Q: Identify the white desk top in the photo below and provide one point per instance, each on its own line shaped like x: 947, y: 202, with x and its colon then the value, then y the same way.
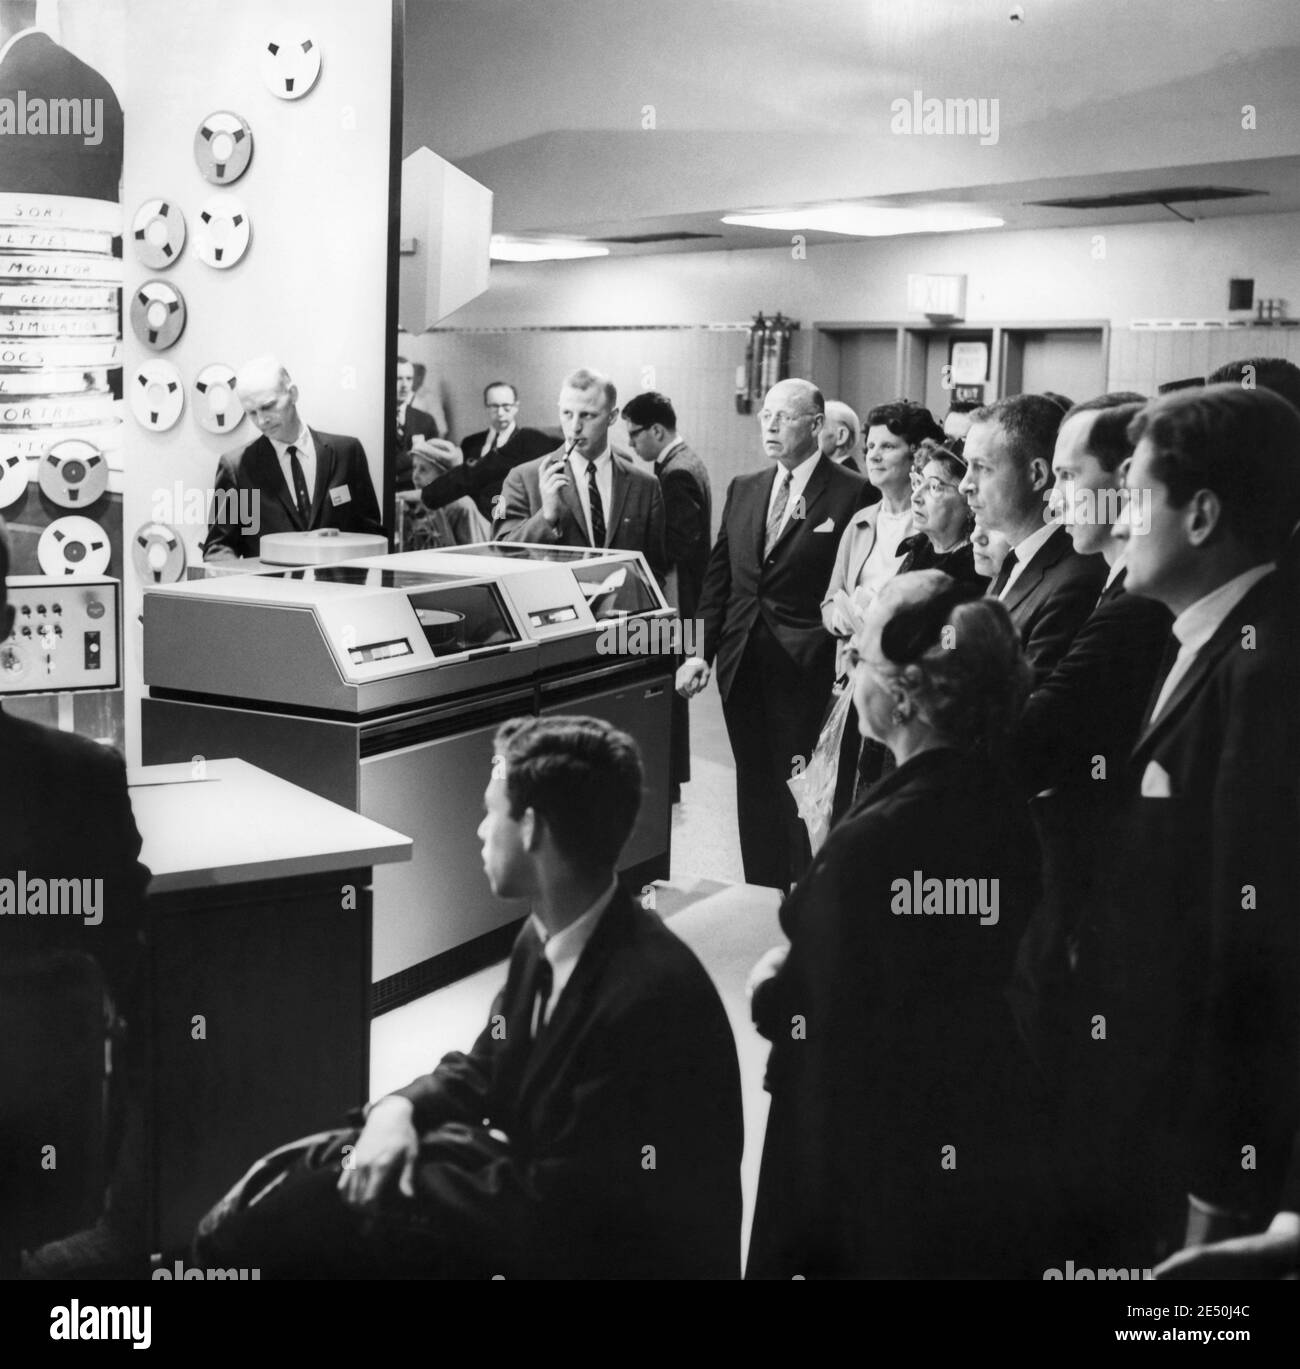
x: 236, y: 823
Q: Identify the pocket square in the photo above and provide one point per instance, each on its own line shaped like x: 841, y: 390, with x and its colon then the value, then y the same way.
x: 1155, y: 782
x: 827, y: 526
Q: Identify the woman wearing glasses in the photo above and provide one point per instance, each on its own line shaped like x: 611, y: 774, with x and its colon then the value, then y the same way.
x: 942, y: 518
x: 898, y: 1142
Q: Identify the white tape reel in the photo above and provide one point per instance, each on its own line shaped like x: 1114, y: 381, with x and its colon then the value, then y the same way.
x: 73, y: 474
x: 15, y: 474
x: 158, y: 314
x: 290, y: 64
x: 222, y: 232
x: 158, y: 233
x: 223, y: 147
x: 156, y: 396
x: 158, y: 553
x: 73, y: 546
x: 216, y: 405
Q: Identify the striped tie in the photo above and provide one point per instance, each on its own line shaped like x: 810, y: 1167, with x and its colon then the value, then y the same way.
x: 777, y: 516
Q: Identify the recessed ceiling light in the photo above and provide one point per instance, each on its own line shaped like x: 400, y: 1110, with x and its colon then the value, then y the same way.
x: 537, y: 249
x: 865, y: 221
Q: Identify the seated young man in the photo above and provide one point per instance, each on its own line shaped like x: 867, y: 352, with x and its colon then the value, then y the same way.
x: 594, y: 1130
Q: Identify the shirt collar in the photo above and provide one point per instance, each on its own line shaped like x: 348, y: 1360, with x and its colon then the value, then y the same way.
x: 1196, y: 624
x: 668, y: 451
x: 801, y: 474
x: 303, y: 441
x: 22, y: 33
x: 500, y: 439
x: 1029, y: 547
x: 601, y: 461
x: 564, y: 947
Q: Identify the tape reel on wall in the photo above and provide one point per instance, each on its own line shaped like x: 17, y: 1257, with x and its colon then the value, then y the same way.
x: 73, y: 473
x: 73, y: 545
x: 223, y: 147
x: 158, y: 553
x: 222, y: 232
x: 158, y: 314
x: 216, y: 405
x: 158, y: 233
x: 156, y: 396
x: 290, y: 64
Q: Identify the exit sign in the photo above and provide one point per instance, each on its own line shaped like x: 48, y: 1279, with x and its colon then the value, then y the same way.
x: 938, y: 296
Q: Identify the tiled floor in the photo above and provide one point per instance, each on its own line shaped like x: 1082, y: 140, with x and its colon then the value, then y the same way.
x: 729, y: 933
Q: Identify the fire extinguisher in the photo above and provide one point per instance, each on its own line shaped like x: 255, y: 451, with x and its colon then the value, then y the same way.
x: 749, y: 375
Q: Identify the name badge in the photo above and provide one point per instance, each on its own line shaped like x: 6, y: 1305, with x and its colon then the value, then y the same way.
x: 340, y: 494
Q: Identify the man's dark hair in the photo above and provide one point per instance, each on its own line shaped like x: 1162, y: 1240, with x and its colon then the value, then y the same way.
x: 650, y: 408
x: 1064, y: 401
x: 404, y: 361
x: 493, y: 384
x: 962, y: 406
x: 421, y: 370
x: 906, y: 419
x: 581, y: 776
x: 1244, y: 445
x: 1108, y: 436
x: 1030, y: 423
x: 1271, y: 373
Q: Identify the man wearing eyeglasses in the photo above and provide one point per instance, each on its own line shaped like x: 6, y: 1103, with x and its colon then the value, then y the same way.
x: 763, y: 630
x: 489, y: 456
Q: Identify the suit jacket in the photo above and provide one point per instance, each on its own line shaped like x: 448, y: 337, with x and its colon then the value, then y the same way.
x: 1195, y: 954
x: 906, y: 1043
x: 480, y: 477
x: 688, y: 523
x: 65, y: 814
x: 634, y: 520
x: 61, y: 164
x: 1052, y: 598
x: 340, y: 464
x: 917, y: 553
x: 637, y: 1053
x: 418, y: 424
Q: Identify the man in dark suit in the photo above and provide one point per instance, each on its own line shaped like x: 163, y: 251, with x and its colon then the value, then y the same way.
x: 291, y: 479
x: 413, y: 425
x: 586, y: 493
x: 688, y: 527
x: 595, y: 1128
x: 1048, y: 588
x: 65, y: 816
x: 1080, y: 724
x: 489, y: 456
x: 80, y: 156
x: 761, y: 608
x: 1192, y: 960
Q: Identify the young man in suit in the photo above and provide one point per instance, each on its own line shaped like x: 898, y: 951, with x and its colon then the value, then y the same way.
x: 595, y: 1128
x: 688, y: 528
x: 1047, y: 586
x: 65, y: 815
x: 1192, y: 960
x: 1079, y: 726
x: 491, y: 455
x: 586, y: 493
x: 291, y: 479
x: 761, y: 607
x: 413, y: 424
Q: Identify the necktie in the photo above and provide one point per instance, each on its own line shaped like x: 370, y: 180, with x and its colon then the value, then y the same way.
x: 542, y: 994
x: 1182, y: 664
x: 1003, y: 575
x: 777, y: 516
x: 301, y: 497
x: 597, y: 508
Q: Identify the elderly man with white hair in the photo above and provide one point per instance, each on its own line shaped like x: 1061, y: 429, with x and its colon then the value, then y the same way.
x: 840, y: 436
x: 292, y: 478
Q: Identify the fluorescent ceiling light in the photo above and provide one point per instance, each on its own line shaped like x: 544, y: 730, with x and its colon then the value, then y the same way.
x: 524, y: 249
x: 866, y: 221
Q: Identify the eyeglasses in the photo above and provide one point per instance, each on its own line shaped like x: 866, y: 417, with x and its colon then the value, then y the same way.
x: 783, y: 419
x: 511, y: 405
x: 935, y: 486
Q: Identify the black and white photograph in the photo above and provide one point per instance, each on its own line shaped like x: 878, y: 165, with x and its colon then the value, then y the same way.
x: 649, y: 640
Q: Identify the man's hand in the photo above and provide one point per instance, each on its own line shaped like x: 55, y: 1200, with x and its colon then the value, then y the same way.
x: 552, y: 477
x: 692, y: 676
x: 388, y: 1146
x: 432, y: 457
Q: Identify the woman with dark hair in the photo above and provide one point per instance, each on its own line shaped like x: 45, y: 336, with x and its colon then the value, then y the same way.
x: 942, y: 518
x: 899, y: 1139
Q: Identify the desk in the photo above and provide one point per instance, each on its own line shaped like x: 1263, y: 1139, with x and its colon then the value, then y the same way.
x: 260, y: 971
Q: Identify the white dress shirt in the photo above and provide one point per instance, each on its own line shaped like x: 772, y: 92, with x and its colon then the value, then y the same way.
x: 1026, y: 549
x: 495, y: 440
x: 668, y: 450
x: 565, y: 948
x: 1196, y: 624
x: 306, y: 459
x: 604, y: 483
x: 799, y: 479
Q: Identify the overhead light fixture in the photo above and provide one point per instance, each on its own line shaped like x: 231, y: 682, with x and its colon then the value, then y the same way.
x: 542, y: 249
x: 865, y: 221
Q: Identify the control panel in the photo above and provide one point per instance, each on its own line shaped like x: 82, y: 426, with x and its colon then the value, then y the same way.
x: 66, y: 635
